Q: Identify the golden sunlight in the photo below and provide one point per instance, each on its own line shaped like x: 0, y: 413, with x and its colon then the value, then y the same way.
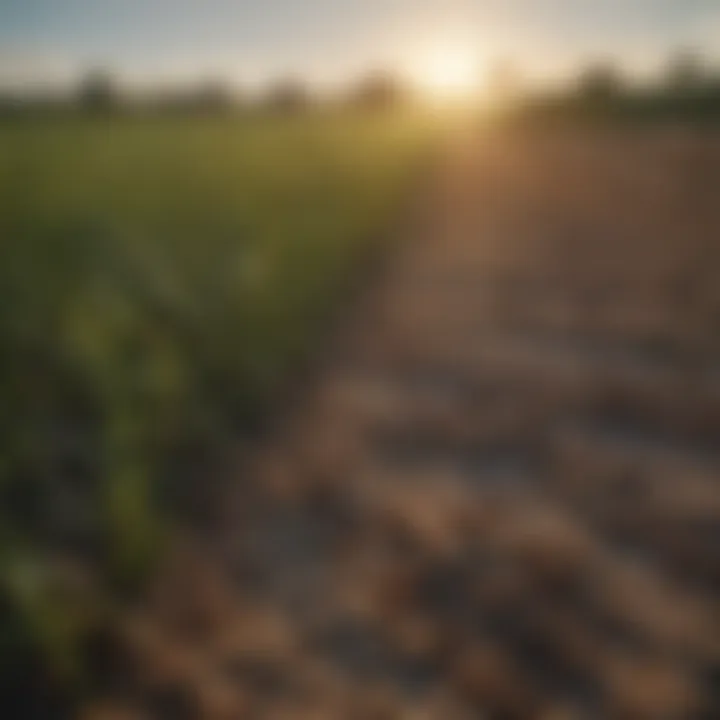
x: 449, y: 73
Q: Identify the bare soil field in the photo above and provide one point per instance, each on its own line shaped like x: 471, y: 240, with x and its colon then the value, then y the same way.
x: 500, y: 497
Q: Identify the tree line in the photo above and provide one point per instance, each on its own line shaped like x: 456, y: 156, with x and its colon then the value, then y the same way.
x: 688, y: 86
x: 99, y: 92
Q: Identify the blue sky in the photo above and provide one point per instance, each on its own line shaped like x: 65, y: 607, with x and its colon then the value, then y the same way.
x: 329, y: 40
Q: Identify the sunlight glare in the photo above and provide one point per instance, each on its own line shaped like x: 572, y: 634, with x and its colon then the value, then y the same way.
x: 449, y: 73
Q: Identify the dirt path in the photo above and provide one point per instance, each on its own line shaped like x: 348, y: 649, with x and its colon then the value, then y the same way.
x: 502, y: 497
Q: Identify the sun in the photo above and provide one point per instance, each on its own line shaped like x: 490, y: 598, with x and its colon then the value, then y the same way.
x: 449, y: 73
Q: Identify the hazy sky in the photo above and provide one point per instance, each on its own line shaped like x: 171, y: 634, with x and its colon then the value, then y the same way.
x: 327, y: 40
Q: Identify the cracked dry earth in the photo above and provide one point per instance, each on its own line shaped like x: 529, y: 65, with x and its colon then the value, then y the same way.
x: 501, y: 496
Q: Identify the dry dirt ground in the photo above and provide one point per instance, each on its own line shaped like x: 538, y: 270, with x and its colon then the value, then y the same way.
x: 501, y: 496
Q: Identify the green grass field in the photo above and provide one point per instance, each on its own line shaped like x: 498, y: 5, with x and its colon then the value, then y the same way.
x: 160, y: 279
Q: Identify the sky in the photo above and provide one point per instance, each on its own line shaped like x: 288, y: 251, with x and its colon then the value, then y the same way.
x: 329, y: 41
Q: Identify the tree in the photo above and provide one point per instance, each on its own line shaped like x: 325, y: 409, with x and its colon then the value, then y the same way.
x: 378, y: 90
x: 97, y: 92
x: 600, y: 83
x: 287, y: 96
x: 686, y: 73
x: 212, y: 96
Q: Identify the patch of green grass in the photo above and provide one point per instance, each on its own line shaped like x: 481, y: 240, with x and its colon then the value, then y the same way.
x: 159, y: 278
